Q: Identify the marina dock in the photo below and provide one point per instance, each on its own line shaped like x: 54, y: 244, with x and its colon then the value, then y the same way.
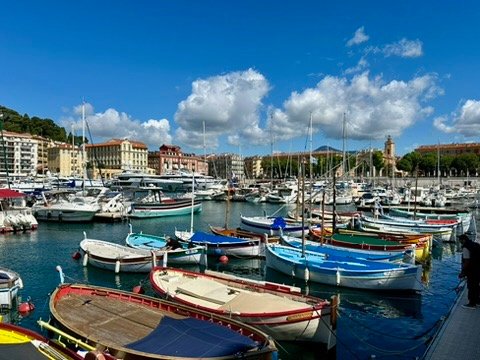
x: 458, y: 337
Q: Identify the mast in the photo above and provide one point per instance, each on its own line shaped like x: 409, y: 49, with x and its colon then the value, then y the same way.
x: 204, y: 147
x: 84, y: 155
x: 438, y: 162
x: 343, y: 147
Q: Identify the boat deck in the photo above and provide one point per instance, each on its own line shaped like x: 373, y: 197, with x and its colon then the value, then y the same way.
x: 101, y: 319
x: 458, y: 337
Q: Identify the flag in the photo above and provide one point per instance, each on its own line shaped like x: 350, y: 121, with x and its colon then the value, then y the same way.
x: 313, y: 160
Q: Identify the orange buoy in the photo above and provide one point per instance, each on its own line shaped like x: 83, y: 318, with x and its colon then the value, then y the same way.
x: 223, y: 259
x: 76, y: 255
x: 138, y: 289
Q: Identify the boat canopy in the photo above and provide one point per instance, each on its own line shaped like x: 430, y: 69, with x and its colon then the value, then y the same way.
x: 193, y: 338
x: 10, y: 194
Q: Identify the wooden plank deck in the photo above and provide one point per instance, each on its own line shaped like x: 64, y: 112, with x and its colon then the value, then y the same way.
x: 100, y: 319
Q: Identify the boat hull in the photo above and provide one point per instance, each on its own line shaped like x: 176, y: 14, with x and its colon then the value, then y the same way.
x: 64, y: 215
x: 143, y: 211
x: 10, y: 284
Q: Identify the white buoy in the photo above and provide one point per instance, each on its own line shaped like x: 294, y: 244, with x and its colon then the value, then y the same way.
x: 85, y: 259
x: 60, y: 271
x: 165, y: 259
x: 338, y: 277
x: 154, y: 259
x: 117, y: 266
x: 306, y: 274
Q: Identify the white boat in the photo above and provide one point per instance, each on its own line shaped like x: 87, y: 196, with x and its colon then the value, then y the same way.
x: 116, y: 257
x: 279, y: 310
x: 135, y: 180
x: 10, y: 284
x: 155, y: 204
x: 65, y: 206
x: 15, y: 215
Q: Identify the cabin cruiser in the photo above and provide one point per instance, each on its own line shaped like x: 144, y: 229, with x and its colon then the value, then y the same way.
x: 135, y: 180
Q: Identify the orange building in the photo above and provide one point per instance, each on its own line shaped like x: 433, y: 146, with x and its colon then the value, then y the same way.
x: 170, y: 158
x: 451, y: 149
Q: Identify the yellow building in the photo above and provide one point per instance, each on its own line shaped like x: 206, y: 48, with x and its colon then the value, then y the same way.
x: 65, y: 160
x: 115, y: 156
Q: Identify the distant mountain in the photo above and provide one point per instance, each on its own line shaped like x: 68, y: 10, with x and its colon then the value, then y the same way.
x: 326, y: 148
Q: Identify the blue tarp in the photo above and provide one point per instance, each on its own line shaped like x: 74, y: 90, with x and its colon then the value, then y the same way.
x: 192, y: 338
x: 201, y: 237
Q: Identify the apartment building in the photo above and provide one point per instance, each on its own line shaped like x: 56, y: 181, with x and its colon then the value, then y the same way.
x: 18, y: 156
x: 170, y: 159
x: 253, y: 167
x: 65, y: 160
x: 227, y: 166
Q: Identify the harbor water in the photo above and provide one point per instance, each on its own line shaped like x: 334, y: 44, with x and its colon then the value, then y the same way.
x: 370, y: 324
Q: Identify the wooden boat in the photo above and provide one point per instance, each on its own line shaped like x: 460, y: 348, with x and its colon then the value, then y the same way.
x: 333, y: 252
x: 20, y: 343
x: 226, y: 245
x: 176, y: 252
x: 279, y: 310
x: 441, y: 232
x: 422, y: 249
x: 155, y: 204
x: 116, y: 257
x: 133, y: 326
x: 464, y: 217
x: 346, y: 272
x: 272, y: 226
x: 10, y: 284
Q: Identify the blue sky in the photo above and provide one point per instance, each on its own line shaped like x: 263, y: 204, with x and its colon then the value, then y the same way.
x: 252, y: 71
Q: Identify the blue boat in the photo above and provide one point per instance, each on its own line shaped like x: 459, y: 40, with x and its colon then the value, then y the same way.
x: 343, y: 271
x: 172, y: 250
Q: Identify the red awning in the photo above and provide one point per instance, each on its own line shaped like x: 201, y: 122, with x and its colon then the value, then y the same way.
x: 9, y: 194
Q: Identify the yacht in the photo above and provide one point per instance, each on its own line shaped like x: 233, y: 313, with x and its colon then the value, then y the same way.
x: 135, y: 180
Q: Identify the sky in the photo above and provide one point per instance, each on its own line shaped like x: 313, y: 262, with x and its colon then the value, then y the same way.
x: 251, y: 77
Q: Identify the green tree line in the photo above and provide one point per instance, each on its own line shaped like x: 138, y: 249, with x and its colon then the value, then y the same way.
x: 10, y: 120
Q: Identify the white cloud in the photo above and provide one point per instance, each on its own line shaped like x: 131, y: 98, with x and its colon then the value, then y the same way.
x: 229, y: 105
x: 361, y: 66
x: 373, y: 107
x: 404, y: 48
x: 358, y: 38
x: 466, y: 121
x: 113, y: 124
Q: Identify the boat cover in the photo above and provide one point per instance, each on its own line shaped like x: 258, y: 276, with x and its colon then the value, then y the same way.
x: 192, y: 338
x: 201, y: 237
x: 20, y: 351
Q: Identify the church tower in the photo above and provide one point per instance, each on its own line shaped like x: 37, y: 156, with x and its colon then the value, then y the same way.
x: 389, y: 154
